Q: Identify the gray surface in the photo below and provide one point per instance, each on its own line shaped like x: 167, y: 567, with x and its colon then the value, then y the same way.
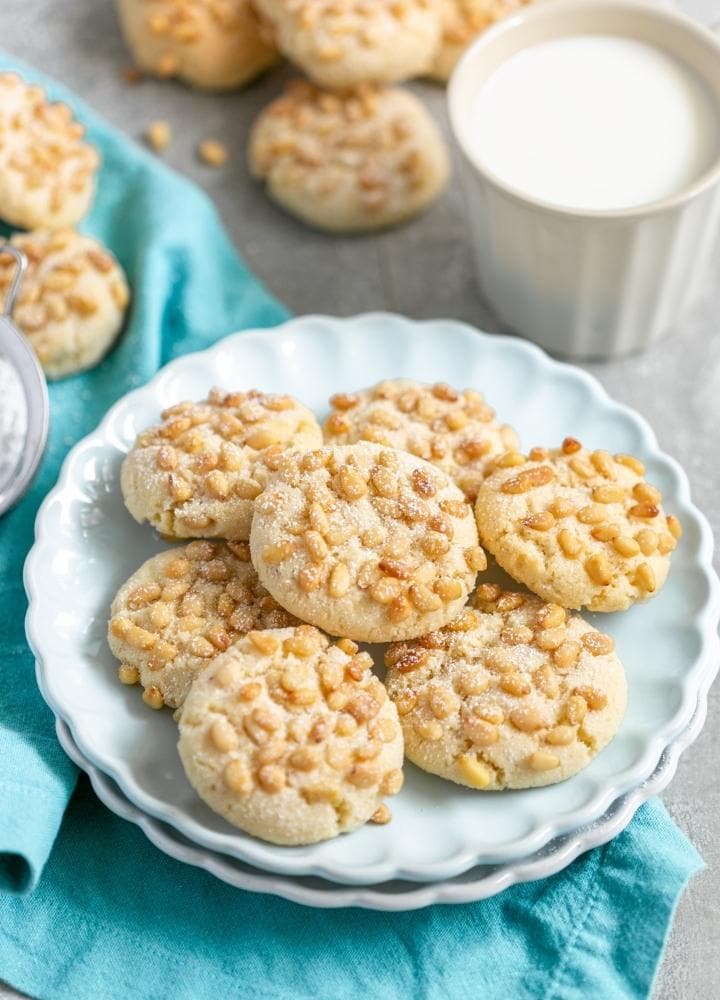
x: 423, y: 270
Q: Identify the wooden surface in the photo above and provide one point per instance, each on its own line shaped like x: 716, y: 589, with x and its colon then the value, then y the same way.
x: 423, y: 270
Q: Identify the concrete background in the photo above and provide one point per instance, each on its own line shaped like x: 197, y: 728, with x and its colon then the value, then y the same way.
x: 423, y: 270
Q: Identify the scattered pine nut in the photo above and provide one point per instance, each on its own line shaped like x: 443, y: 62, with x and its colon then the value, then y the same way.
x: 213, y: 153
x: 132, y: 74
x: 382, y: 815
x: 158, y: 135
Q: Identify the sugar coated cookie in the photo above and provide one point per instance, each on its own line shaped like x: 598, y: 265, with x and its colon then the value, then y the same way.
x: 462, y: 22
x: 47, y: 172
x: 212, y: 44
x: 290, y: 738
x: 513, y: 695
x: 365, y: 541
x: 181, y: 609
x: 72, y: 301
x: 197, y: 473
x: 341, y: 43
x: 455, y: 430
x: 580, y: 528
x: 349, y: 161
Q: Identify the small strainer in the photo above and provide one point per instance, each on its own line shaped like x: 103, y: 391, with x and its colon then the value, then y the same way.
x: 24, y: 407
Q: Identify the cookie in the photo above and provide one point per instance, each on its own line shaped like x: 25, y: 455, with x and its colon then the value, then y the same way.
x: 183, y: 608
x: 72, y: 300
x: 516, y: 694
x: 462, y: 21
x: 211, y: 44
x: 351, y: 161
x: 580, y: 528
x: 47, y: 172
x: 290, y: 738
x: 366, y: 542
x: 196, y: 474
x: 455, y: 430
x: 342, y: 43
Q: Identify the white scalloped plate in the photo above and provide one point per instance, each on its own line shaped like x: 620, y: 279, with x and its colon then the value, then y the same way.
x: 87, y: 545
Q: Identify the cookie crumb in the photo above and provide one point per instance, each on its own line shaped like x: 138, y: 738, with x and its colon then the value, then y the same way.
x: 381, y: 816
x: 158, y: 135
x: 213, y: 153
x: 132, y: 74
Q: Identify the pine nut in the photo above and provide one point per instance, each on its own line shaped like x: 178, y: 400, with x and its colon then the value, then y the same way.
x: 528, y: 479
x: 541, y: 760
x: 475, y: 773
x: 645, y: 578
x: 569, y: 543
x: 599, y: 570
x: 560, y: 736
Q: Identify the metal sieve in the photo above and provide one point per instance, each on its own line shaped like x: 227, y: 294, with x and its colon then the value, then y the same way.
x: 24, y: 407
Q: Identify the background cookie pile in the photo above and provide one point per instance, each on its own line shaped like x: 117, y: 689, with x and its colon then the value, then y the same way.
x: 74, y: 295
x: 345, y: 150
x: 371, y: 529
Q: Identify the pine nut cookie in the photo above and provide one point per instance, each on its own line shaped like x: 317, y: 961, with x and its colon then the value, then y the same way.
x: 183, y: 608
x: 455, y: 430
x: 211, y: 44
x: 72, y: 301
x: 462, y: 21
x: 196, y: 475
x: 580, y: 528
x: 351, y: 161
x: 290, y: 738
x: 515, y: 694
x: 47, y: 172
x: 365, y: 541
x: 341, y: 43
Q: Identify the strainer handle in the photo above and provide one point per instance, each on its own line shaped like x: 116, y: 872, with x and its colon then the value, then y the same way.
x: 20, y: 269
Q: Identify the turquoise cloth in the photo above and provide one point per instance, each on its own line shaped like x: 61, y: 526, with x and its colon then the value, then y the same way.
x: 114, y: 919
x: 89, y: 909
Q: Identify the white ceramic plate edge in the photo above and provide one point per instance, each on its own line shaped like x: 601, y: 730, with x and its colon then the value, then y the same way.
x: 462, y: 860
x: 332, y: 896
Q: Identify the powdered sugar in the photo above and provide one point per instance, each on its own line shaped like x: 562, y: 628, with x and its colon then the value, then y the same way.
x: 13, y: 421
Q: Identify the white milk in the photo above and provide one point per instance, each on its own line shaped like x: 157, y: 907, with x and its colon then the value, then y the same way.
x: 594, y: 122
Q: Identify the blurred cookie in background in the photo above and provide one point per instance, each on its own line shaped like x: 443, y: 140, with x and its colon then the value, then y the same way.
x: 72, y: 301
x: 341, y: 43
x: 211, y: 44
x: 351, y: 161
x: 462, y: 22
x: 47, y: 171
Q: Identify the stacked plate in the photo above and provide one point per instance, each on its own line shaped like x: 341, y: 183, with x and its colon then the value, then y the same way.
x: 445, y: 843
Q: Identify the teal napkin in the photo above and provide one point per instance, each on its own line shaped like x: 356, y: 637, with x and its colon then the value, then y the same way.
x: 189, y: 289
x: 112, y: 919
x: 89, y: 909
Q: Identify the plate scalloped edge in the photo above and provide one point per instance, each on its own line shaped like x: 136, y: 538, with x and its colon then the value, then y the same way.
x: 382, y: 872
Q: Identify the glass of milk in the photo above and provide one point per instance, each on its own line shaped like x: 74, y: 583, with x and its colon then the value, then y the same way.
x: 591, y: 138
